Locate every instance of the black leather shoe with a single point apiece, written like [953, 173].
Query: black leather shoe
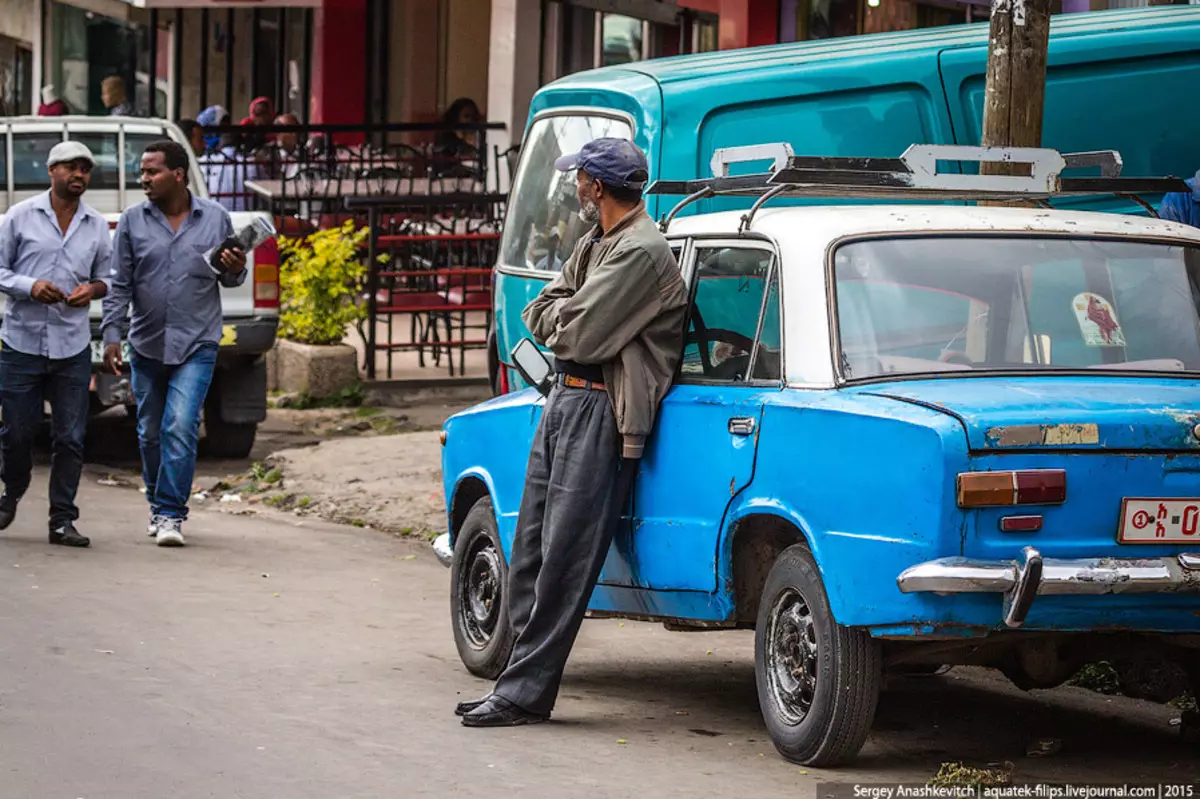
[497, 711]
[67, 536]
[8, 511]
[463, 708]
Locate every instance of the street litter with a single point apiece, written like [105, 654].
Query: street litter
[231, 498]
[1044, 747]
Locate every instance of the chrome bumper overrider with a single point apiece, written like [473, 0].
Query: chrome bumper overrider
[1020, 582]
[443, 550]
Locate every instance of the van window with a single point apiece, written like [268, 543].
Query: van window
[543, 222]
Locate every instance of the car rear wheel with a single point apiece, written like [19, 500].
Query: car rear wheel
[478, 599]
[818, 682]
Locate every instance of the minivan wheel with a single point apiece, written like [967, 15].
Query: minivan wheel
[478, 599]
[818, 682]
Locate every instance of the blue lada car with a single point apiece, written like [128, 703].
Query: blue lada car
[901, 435]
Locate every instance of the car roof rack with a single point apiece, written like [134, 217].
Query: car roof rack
[913, 176]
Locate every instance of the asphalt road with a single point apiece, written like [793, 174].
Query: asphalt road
[279, 658]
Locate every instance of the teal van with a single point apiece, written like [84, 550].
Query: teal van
[1125, 80]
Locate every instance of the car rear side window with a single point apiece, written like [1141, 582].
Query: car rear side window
[30, 153]
[543, 222]
[734, 332]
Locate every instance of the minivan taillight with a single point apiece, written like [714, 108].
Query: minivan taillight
[1029, 487]
[266, 275]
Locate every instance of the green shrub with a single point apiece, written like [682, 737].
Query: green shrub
[321, 280]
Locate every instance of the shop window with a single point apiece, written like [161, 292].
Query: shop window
[621, 40]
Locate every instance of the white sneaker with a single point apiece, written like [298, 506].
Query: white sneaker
[169, 534]
[152, 527]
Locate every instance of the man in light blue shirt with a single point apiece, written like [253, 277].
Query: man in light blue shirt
[159, 265]
[54, 260]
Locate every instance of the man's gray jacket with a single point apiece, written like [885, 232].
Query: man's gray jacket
[619, 302]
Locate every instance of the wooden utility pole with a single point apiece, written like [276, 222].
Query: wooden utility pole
[1016, 77]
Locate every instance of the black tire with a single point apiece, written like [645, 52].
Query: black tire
[478, 598]
[821, 721]
[226, 439]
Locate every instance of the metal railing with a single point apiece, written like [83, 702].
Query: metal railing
[303, 173]
[438, 274]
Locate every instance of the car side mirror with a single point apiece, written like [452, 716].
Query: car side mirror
[533, 365]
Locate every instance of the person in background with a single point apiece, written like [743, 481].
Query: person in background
[454, 150]
[52, 105]
[54, 260]
[159, 266]
[194, 134]
[210, 117]
[1180, 206]
[287, 153]
[262, 111]
[226, 172]
[112, 93]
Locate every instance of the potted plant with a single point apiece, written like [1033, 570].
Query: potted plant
[321, 279]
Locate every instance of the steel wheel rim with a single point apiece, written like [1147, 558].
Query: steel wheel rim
[791, 655]
[480, 593]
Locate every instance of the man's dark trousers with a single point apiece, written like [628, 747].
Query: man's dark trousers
[569, 512]
[26, 383]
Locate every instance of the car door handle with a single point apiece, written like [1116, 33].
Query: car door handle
[741, 426]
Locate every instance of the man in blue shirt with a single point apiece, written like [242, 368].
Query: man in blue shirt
[1180, 206]
[159, 265]
[54, 260]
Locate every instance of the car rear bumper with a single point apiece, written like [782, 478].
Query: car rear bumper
[252, 336]
[1021, 582]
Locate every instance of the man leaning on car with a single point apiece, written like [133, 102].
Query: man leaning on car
[54, 260]
[614, 320]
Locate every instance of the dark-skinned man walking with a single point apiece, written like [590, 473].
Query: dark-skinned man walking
[159, 267]
[613, 318]
[54, 260]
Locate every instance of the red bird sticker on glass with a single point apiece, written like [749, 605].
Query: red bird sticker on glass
[1097, 321]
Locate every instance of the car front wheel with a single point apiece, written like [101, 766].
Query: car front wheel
[478, 602]
[818, 682]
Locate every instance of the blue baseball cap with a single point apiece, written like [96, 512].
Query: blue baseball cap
[611, 161]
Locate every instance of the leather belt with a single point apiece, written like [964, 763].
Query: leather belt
[579, 382]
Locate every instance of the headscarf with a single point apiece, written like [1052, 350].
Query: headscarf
[249, 120]
[208, 118]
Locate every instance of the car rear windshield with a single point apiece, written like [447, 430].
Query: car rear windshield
[31, 150]
[932, 305]
[543, 222]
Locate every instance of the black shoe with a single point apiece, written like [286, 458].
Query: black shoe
[68, 536]
[497, 711]
[8, 511]
[463, 708]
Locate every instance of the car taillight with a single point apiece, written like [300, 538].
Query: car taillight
[1030, 487]
[266, 275]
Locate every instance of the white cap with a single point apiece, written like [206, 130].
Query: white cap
[48, 94]
[68, 151]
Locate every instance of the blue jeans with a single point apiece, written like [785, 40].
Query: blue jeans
[169, 401]
[26, 383]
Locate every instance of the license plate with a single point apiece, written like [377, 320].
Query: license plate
[1159, 521]
[98, 351]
